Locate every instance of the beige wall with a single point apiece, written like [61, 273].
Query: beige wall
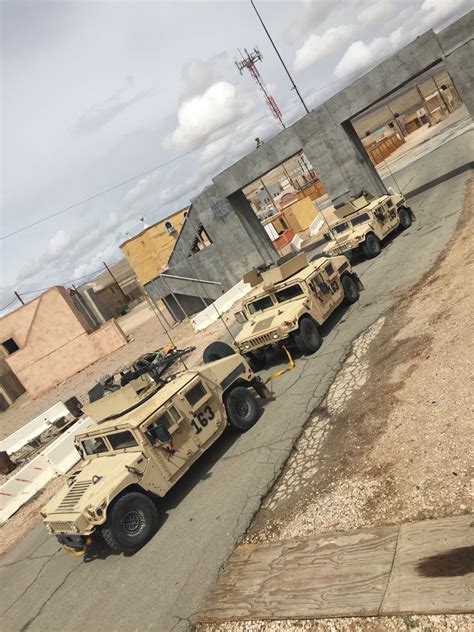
[299, 215]
[150, 250]
[54, 343]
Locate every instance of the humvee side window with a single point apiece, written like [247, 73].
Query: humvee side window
[360, 219]
[288, 293]
[94, 445]
[195, 394]
[389, 203]
[340, 228]
[260, 304]
[174, 414]
[329, 269]
[120, 440]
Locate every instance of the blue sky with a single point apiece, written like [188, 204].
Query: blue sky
[95, 93]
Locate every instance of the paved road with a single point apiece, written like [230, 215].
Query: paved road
[161, 587]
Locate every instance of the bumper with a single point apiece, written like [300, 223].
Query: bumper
[257, 344]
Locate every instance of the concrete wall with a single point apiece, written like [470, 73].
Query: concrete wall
[329, 140]
[54, 342]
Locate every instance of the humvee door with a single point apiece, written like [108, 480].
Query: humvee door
[326, 290]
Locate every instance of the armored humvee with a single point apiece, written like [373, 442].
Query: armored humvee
[364, 222]
[290, 302]
[145, 436]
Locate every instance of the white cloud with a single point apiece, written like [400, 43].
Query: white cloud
[58, 245]
[317, 47]
[436, 13]
[28, 270]
[376, 11]
[360, 55]
[311, 15]
[202, 117]
[198, 75]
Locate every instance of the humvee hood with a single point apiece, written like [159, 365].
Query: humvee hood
[90, 485]
[271, 319]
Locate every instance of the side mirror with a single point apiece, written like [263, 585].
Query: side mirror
[241, 317]
[327, 236]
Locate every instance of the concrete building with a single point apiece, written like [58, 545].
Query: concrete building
[48, 340]
[328, 138]
[109, 294]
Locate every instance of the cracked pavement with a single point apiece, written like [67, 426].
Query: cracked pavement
[163, 585]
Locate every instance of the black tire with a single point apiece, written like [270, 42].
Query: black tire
[371, 246]
[216, 351]
[308, 339]
[257, 361]
[132, 521]
[405, 218]
[242, 409]
[351, 291]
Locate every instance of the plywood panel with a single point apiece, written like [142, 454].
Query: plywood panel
[344, 574]
[433, 569]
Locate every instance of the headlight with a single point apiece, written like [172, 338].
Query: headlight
[75, 528]
[275, 335]
[49, 528]
[247, 346]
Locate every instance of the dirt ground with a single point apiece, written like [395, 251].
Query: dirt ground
[392, 434]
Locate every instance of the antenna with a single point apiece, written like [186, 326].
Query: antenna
[248, 61]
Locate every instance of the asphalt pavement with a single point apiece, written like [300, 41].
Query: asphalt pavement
[161, 586]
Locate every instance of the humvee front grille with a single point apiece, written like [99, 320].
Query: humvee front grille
[338, 250]
[265, 339]
[61, 527]
[73, 496]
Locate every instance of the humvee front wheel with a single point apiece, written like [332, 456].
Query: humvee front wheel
[257, 361]
[371, 246]
[351, 291]
[308, 339]
[216, 351]
[242, 409]
[132, 521]
[405, 218]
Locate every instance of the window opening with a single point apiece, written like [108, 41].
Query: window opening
[10, 346]
[195, 394]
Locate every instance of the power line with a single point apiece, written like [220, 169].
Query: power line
[128, 181]
[2, 309]
[152, 170]
[43, 289]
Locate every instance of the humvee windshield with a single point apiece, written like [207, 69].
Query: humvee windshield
[287, 293]
[260, 304]
[120, 440]
[94, 445]
[360, 219]
[340, 228]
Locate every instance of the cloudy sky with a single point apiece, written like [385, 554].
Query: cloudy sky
[94, 94]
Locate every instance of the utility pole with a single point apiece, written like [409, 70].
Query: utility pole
[423, 100]
[280, 57]
[115, 281]
[19, 298]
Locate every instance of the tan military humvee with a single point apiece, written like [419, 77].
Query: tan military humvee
[144, 438]
[365, 222]
[290, 302]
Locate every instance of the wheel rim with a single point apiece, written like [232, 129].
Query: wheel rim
[133, 522]
[242, 408]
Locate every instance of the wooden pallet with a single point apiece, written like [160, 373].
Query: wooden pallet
[423, 567]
